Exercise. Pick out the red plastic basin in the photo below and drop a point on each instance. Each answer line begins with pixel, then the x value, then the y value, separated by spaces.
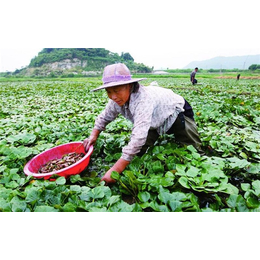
pixel 33 166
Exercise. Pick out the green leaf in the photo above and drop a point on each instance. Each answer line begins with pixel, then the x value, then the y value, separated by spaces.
pixel 230 189
pixel 44 208
pixel 75 188
pixel 69 207
pixel 121 206
pixel 33 194
pixel 12 184
pixel 192 172
pixel 97 209
pixel 180 196
pixel 254 168
pixel 214 175
pixel 241 204
pixel 20 152
pixel 232 200
pixel 157 167
pixel 191 148
pixel 184 182
pixel 175 205
pixel 156 181
pixel 252 201
pixel 2 168
pixel 161 157
pixel 115 175
pixel 135 164
pixel 109 158
pixel 27 138
pixel 243 155
pixel 180 169
pixel 158 149
pixel 97 193
pixel 253 147
pixel 85 195
pixel 75 178
pixel 18 205
pixel 245 186
pixel 113 199
pixel 256 186
pixel 164 196
pixel 144 196
pixel 4 205
pixel 60 181
pixel 24 138
pixel 237 163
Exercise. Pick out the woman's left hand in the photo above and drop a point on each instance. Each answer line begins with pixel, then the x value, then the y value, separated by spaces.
pixel 107 177
pixel 119 166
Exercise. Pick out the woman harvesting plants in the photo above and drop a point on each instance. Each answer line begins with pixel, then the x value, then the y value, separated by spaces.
pixel 152 110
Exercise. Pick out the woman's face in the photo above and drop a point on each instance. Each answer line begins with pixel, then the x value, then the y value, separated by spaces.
pixel 119 94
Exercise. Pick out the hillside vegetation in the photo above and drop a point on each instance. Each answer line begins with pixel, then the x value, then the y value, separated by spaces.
pixel 77 61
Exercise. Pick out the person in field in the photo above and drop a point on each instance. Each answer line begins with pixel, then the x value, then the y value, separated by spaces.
pixel 192 76
pixel 153 110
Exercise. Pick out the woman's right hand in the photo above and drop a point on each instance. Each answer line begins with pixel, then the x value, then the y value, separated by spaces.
pixel 87 143
pixel 91 140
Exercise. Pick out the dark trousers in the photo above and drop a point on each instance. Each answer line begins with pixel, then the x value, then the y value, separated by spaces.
pixel 184 129
pixel 194 81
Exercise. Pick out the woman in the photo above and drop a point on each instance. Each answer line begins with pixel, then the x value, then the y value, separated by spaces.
pixel 152 110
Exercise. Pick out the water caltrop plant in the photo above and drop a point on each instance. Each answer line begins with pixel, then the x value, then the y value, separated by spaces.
pixel 39 115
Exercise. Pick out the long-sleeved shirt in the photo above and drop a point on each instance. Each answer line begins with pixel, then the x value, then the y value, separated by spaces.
pixel 192 76
pixel 150 107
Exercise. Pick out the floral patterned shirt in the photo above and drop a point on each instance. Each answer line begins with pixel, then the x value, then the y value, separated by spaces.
pixel 151 107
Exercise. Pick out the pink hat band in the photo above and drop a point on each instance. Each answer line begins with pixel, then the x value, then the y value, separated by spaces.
pixel 116 78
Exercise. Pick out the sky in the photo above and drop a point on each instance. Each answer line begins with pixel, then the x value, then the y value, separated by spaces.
pixel 161 34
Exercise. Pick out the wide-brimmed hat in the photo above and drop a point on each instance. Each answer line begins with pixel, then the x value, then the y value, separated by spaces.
pixel 116 75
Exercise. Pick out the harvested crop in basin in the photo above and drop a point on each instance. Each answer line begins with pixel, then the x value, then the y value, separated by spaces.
pixel 58 164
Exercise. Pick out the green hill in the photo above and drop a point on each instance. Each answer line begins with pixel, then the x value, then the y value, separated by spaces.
pixel 78 61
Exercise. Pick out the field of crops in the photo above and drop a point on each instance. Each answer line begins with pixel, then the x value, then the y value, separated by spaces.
pixel 38 115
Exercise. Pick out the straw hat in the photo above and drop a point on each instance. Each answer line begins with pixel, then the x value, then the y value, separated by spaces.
pixel 116 75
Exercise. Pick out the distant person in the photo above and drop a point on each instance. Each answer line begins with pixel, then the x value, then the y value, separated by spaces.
pixel 238 76
pixel 192 76
pixel 153 110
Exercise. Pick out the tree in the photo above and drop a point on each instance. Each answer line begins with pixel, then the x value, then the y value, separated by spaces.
pixel 126 56
pixel 254 67
pixel 47 50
